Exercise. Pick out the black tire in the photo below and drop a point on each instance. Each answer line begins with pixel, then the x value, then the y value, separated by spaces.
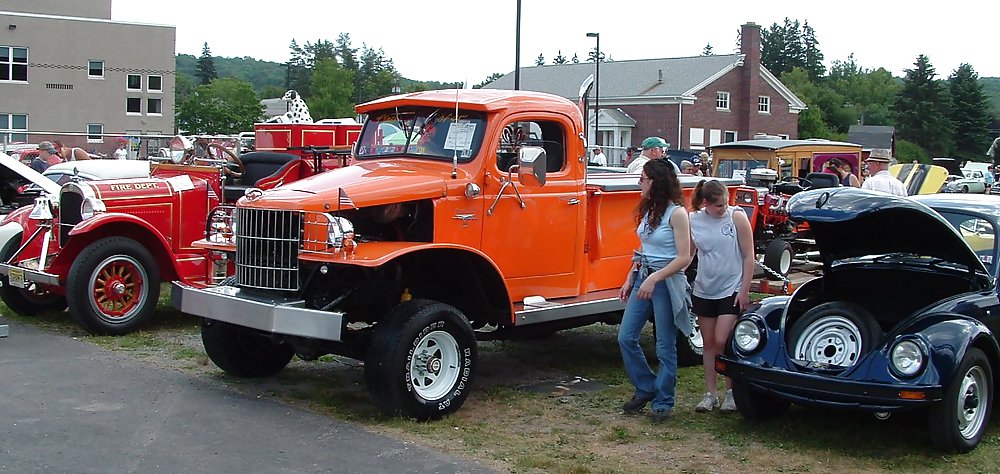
pixel 778 257
pixel 29 301
pixel 113 286
pixel 965 188
pixel 690 350
pixel 421 361
pixel 756 406
pixel 968 398
pixel 837 333
pixel 244 352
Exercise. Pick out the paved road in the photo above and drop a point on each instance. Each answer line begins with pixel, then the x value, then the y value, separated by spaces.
pixel 68 406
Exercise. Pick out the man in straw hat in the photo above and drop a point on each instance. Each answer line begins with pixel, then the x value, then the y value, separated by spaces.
pixel 879 178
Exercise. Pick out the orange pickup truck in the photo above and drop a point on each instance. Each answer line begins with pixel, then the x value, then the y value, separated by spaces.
pixel 466 215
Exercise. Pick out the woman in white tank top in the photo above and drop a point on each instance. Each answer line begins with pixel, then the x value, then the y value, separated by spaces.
pixel 722 239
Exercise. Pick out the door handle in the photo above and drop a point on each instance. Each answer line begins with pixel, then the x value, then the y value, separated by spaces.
pixel 573 201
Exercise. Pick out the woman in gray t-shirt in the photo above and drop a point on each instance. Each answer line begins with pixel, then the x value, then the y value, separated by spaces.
pixel 722 239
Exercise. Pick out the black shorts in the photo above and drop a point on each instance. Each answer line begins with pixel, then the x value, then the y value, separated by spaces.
pixel 709 308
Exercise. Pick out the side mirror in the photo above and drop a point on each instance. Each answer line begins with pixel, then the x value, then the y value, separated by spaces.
pixel 531 166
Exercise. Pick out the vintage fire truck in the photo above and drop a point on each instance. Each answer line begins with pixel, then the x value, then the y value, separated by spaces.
pixel 466 215
pixel 103 247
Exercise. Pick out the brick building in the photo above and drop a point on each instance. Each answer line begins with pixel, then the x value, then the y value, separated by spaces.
pixel 692 102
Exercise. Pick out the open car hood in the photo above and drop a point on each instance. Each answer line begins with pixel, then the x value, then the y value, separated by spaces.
pixel 29 174
pixel 853 222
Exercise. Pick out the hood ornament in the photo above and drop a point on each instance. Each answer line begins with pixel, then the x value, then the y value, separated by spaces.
pixel 252 194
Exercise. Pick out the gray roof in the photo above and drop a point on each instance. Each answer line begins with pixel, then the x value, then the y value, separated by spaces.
pixel 622 79
pixel 614 117
pixel 871 136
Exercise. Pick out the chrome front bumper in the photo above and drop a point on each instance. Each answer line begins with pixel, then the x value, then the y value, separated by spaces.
pixel 30 275
pixel 279 316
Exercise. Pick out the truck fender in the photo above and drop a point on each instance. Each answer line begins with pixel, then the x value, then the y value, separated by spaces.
pixel 161 249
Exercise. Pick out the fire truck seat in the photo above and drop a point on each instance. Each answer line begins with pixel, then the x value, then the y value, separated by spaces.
pixel 257 165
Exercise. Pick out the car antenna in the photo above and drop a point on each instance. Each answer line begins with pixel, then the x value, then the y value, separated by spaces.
pixel 454 158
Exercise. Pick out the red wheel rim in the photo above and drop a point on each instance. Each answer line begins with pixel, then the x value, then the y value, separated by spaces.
pixel 118 288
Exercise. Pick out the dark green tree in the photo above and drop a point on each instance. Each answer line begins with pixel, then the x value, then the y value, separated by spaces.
pixel 321 49
pixel 332 88
pixel 592 55
pixel 559 59
pixel 271 92
pixel 298 75
pixel 205 71
pixel 969 113
pixel 575 60
pixel 377 74
pixel 491 78
pixel 813 122
pixel 921 110
pixel 707 51
pixel 868 95
pixel 226 106
pixel 782 48
pixel 812 57
pixel 348 58
pixel 540 60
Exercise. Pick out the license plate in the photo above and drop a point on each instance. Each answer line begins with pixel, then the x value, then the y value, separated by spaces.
pixel 15 276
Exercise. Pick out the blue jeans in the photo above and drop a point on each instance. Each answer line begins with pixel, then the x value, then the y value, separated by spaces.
pixel 658 387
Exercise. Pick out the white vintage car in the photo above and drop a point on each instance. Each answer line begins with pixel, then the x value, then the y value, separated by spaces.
pixel 971 181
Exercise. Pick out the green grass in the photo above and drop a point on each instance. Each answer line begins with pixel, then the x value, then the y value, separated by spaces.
pixel 512 429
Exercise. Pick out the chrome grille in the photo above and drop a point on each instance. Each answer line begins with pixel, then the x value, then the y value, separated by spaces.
pixel 267 248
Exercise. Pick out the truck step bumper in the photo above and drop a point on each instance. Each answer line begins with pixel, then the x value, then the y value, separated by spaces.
pixel 279 316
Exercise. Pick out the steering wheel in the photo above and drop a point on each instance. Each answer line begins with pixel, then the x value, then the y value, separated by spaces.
pixel 231 164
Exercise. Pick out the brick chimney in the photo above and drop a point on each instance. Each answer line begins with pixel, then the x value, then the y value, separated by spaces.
pixel 750 83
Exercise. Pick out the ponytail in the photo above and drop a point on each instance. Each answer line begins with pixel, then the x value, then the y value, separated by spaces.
pixel 710 191
pixel 696 196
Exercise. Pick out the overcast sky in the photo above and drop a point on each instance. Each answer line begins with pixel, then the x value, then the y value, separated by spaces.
pixel 459 40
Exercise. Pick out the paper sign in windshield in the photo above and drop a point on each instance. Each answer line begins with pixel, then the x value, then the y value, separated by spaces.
pixel 460 135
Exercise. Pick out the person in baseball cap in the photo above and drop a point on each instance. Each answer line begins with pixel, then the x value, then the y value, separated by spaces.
pixel 652 149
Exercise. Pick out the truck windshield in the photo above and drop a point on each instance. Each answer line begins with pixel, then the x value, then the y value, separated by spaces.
pixel 739 169
pixel 426 132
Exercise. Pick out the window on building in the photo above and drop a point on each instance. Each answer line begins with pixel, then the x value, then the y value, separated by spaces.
pixel 10 125
pixel 714 137
pixel 764 104
pixel 134 82
pixel 133 105
pixel 154 83
pixel 13 64
pixel 95 133
pixel 783 136
pixel 95 69
pixel 722 100
pixel 153 106
pixel 728 136
pixel 697 136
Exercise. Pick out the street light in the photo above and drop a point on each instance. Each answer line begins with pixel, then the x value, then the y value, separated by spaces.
pixel 597 89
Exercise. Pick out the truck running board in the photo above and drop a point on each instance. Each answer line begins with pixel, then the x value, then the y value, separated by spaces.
pixel 535 309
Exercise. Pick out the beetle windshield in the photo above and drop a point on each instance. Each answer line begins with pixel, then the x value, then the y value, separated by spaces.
pixel 426 132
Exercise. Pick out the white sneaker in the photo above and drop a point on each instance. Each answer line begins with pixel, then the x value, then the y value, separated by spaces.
pixel 728 404
pixel 707 403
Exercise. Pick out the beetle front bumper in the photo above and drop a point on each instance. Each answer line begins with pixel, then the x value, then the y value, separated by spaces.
pixel 273 315
pixel 825 391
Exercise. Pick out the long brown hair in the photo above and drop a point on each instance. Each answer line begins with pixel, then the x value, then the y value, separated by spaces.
pixel 708 190
pixel 664 188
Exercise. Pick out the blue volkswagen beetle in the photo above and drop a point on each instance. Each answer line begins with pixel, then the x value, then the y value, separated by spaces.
pixel 904 316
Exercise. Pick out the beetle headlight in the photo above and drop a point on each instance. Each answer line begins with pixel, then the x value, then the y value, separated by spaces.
pixel 340 233
pixel 91 207
pixel 907 357
pixel 222 225
pixel 747 335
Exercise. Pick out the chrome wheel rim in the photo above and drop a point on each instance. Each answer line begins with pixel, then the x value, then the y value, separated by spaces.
pixel 972 401
pixel 118 289
pixel 435 365
pixel 832 340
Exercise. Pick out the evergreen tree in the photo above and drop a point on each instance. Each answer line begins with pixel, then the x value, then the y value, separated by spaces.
pixel 783 48
pixel 491 78
pixel 298 75
pixel 921 110
pixel 348 58
pixel 812 56
pixel 205 71
pixel 377 74
pixel 592 55
pixel 540 60
pixel 575 60
pixel 969 113
pixel 868 95
pixel 708 50
pixel 321 49
pixel 560 59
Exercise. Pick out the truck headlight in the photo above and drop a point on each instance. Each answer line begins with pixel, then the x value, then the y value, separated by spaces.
pixel 907 357
pixel 748 335
pixel 91 207
pixel 221 227
pixel 340 233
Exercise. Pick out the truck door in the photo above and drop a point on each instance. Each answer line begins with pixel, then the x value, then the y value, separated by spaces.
pixel 538 247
